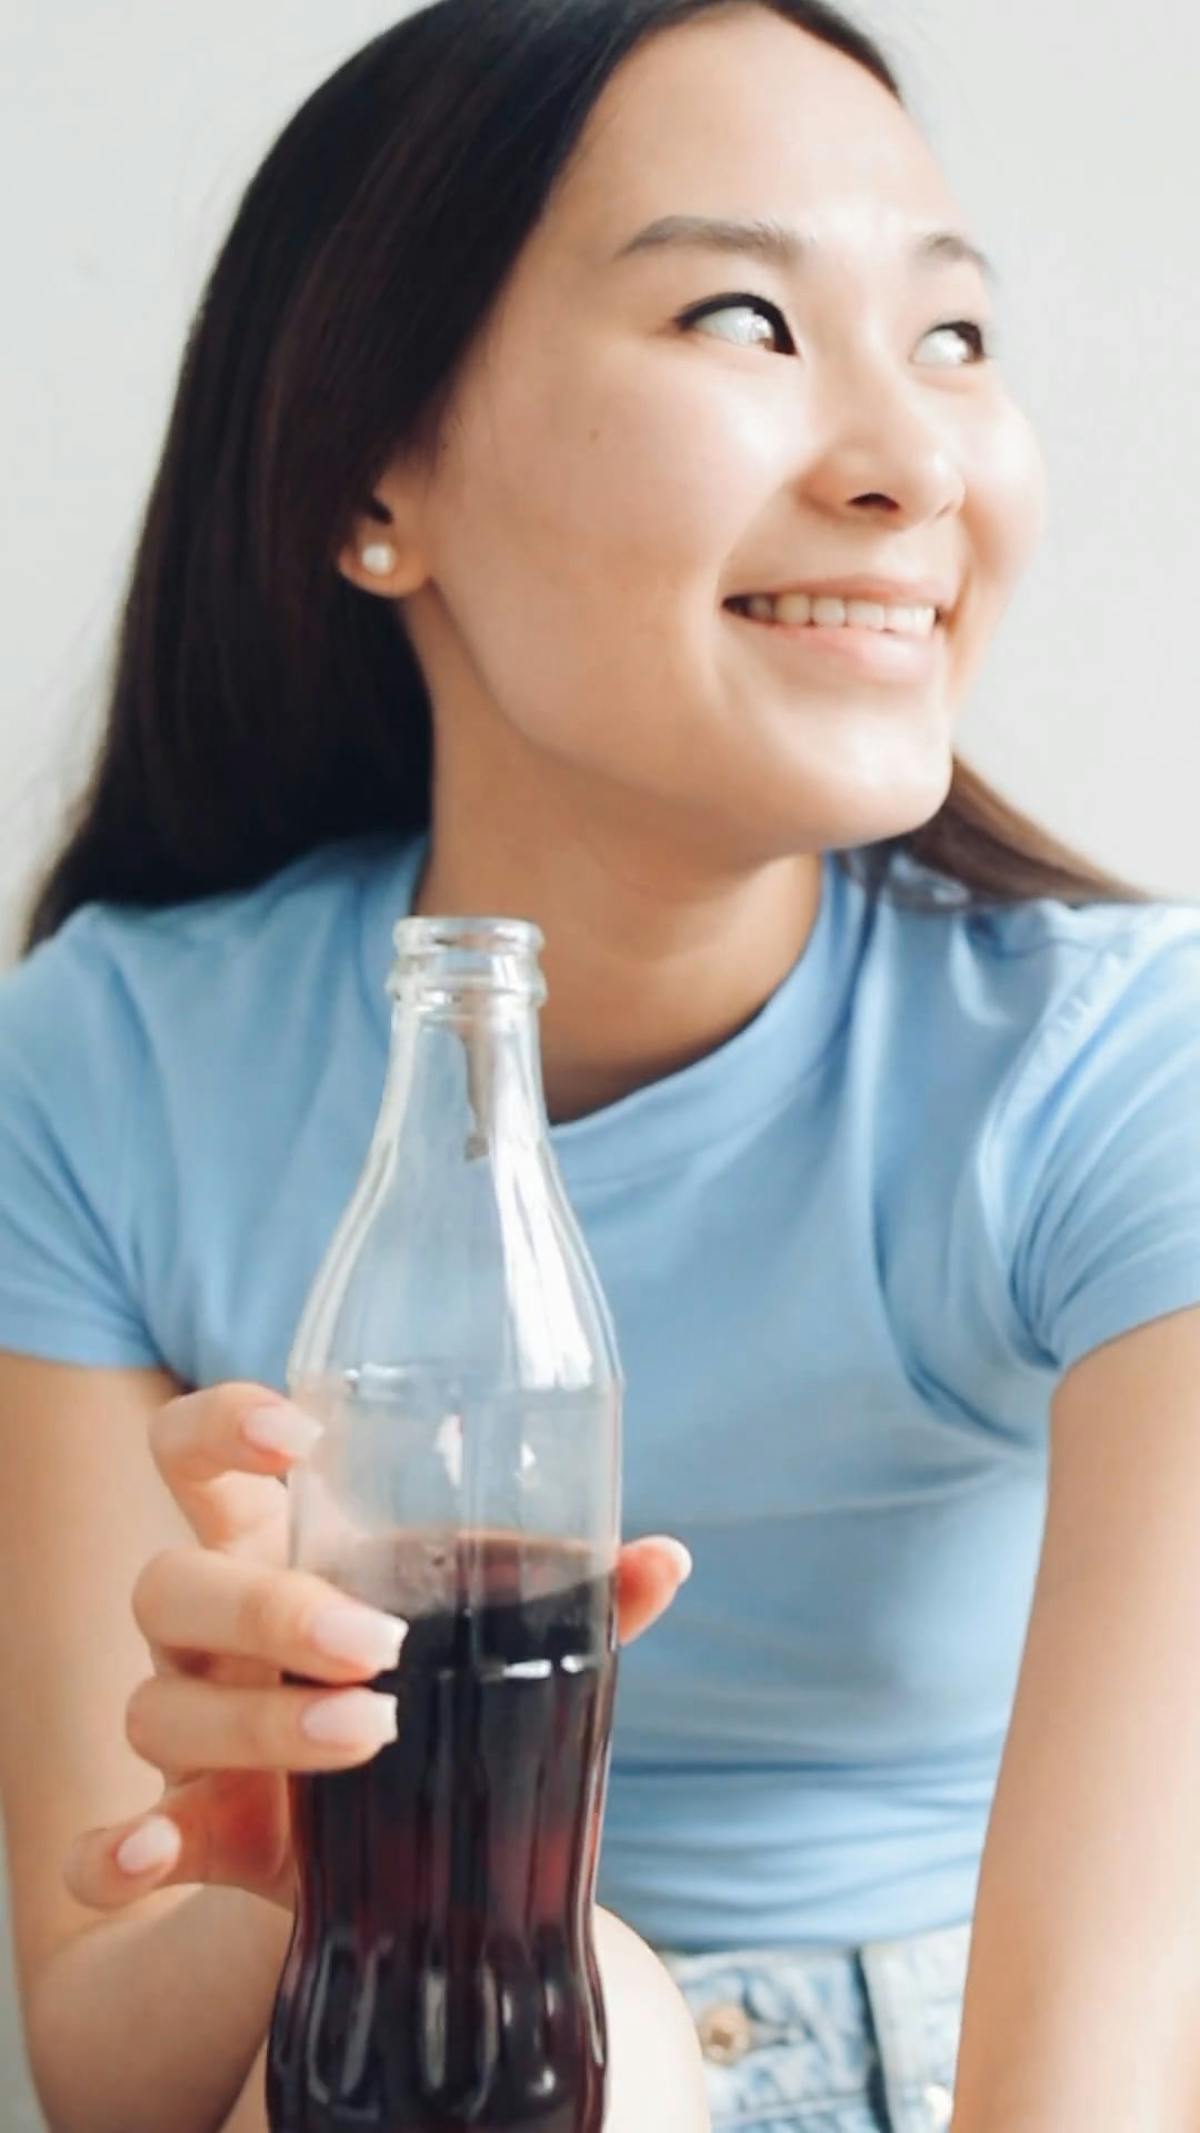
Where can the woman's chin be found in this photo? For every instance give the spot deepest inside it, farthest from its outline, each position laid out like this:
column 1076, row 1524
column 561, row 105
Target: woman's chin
column 880, row 787
column 824, row 813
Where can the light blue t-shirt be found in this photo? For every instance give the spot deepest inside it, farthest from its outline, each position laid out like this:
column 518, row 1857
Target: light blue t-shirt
column 849, row 1254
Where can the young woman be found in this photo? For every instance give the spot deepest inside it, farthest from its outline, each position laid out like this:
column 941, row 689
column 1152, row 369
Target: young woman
column 590, row 496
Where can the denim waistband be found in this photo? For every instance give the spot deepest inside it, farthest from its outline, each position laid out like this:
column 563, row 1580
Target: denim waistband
column 808, row 2040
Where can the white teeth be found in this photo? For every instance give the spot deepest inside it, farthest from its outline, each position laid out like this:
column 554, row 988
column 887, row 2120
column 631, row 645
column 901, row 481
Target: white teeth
column 799, row 609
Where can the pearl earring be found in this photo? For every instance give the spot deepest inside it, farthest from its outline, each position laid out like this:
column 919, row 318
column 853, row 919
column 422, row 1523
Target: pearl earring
column 379, row 558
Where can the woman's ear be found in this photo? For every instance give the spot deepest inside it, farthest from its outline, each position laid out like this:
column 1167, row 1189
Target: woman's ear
column 377, row 561
column 382, row 553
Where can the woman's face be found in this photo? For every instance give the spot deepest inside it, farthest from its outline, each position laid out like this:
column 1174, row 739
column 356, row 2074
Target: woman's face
column 647, row 430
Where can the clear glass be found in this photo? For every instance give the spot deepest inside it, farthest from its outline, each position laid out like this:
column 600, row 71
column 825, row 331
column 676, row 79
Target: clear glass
column 458, row 1349
column 456, row 1344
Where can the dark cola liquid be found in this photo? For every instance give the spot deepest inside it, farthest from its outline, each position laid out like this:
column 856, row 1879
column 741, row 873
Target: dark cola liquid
column 441, row 1974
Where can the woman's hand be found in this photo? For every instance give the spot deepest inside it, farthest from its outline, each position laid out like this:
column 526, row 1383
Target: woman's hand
column 225, row 1621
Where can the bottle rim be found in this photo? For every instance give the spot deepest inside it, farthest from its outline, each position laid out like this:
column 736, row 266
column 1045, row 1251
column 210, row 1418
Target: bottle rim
column 469, row 954
column 517, row 936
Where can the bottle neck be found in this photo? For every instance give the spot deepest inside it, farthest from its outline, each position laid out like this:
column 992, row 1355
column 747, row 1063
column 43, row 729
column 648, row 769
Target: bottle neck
column 465, row 1068
column 466, row 1074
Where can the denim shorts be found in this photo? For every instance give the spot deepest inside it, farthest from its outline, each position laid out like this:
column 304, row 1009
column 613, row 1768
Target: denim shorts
column 855, row 2040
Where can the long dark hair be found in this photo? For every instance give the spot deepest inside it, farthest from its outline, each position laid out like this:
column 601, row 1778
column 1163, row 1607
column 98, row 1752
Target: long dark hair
column 260, row 705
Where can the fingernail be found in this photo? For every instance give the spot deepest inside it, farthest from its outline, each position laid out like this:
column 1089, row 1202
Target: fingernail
column 357, row 1718
column 362, row 1635
column 682, row 1555
column 152, row 1844
column 281, row 1429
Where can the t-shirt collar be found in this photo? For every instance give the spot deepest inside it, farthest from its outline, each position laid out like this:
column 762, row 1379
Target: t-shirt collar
column 749, row 1077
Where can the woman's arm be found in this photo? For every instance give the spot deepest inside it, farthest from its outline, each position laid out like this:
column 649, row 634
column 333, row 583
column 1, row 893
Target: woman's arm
column 152, row 2021
column 120, row 2033
column 1082, row 2011
column 154, row 2014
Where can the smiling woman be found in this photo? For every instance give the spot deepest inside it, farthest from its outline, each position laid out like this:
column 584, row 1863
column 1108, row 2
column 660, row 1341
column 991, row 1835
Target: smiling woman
column 589, row 497
column 284, row 421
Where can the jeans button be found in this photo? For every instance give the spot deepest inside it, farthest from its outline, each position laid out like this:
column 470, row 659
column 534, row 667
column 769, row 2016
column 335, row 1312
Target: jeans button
column 725, row 2032
column 941, row 2104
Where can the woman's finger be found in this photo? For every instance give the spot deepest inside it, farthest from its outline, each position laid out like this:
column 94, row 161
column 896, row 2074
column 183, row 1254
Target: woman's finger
column 230, row 1824
column 108, row 1868
column 177, row 1722
column 194, row 1600
column 223, row 1452
column 649, row 1574
column 230, row 1829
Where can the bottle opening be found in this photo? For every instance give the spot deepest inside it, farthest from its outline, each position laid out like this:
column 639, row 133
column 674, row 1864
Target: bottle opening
column 498, row 957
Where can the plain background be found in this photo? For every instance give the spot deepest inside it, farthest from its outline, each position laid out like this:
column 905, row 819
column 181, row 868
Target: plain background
column 130, row 130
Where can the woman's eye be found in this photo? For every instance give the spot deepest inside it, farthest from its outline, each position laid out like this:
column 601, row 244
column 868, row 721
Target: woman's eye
column 969, row 334
column 751, row 322
column 746, row 321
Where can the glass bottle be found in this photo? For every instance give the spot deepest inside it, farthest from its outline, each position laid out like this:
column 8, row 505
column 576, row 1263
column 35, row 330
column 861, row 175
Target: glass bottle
column 457, row 1347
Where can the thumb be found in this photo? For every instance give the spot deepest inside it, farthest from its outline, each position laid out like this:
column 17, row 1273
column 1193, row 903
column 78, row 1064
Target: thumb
column 649, row 1574
column 229, row 1829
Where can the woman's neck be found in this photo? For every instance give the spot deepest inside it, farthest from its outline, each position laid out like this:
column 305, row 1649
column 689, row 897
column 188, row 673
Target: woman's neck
column 648, row 966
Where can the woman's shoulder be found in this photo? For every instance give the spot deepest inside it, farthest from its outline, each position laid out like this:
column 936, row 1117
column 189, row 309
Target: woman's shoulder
column 1044, row 969
column 111, row 963
column 1048, row 933
column 1043, row 1064
column 1093, row 986
column 318, row 883
column 145, row 1054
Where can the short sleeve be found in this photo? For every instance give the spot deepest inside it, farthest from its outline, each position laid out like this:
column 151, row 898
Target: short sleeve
column 69, row 1066
column 1103, row 1147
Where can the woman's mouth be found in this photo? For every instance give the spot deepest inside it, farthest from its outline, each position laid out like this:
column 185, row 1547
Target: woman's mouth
column 886, row 643
column 804, row 611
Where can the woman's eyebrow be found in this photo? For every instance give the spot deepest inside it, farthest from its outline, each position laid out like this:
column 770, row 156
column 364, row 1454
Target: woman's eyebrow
column 786, row 247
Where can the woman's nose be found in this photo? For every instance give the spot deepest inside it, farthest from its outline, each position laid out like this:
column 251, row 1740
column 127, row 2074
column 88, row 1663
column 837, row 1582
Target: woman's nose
column 884, row 455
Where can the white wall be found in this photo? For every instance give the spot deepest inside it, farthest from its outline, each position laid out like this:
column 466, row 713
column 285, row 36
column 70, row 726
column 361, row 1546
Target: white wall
column 1070, row 133
column 128, row 133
